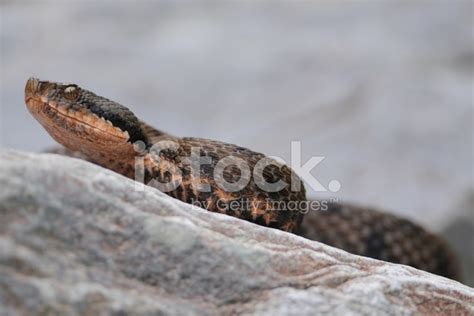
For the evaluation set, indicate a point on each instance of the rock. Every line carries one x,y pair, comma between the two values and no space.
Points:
79,239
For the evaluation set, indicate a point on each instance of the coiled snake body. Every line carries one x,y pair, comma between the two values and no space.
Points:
110,135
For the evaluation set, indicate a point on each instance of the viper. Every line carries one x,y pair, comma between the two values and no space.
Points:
225,178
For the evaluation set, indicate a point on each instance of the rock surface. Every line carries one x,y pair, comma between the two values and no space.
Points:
79,239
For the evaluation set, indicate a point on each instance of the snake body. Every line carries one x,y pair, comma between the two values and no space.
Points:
109,134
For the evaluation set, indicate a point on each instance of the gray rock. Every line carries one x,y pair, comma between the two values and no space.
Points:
76,239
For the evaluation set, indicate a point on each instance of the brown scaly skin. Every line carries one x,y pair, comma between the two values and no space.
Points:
105,132
383,236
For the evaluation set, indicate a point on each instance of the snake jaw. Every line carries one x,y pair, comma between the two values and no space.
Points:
45,110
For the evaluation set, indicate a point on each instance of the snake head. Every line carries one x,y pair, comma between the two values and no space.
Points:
81,120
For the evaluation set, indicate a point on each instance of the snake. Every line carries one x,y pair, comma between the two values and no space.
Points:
232,180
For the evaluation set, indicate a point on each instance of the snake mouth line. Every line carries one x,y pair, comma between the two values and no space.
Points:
119,133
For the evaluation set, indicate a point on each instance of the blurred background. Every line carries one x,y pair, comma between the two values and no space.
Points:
383,90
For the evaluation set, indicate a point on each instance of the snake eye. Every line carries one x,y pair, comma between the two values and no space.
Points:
71,92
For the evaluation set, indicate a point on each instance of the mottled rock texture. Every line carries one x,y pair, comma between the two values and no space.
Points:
78,239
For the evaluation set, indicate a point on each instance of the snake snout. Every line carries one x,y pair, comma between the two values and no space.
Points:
32,87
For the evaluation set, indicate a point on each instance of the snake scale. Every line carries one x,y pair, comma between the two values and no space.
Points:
110,135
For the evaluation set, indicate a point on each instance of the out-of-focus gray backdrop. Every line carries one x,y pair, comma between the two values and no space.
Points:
383,90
